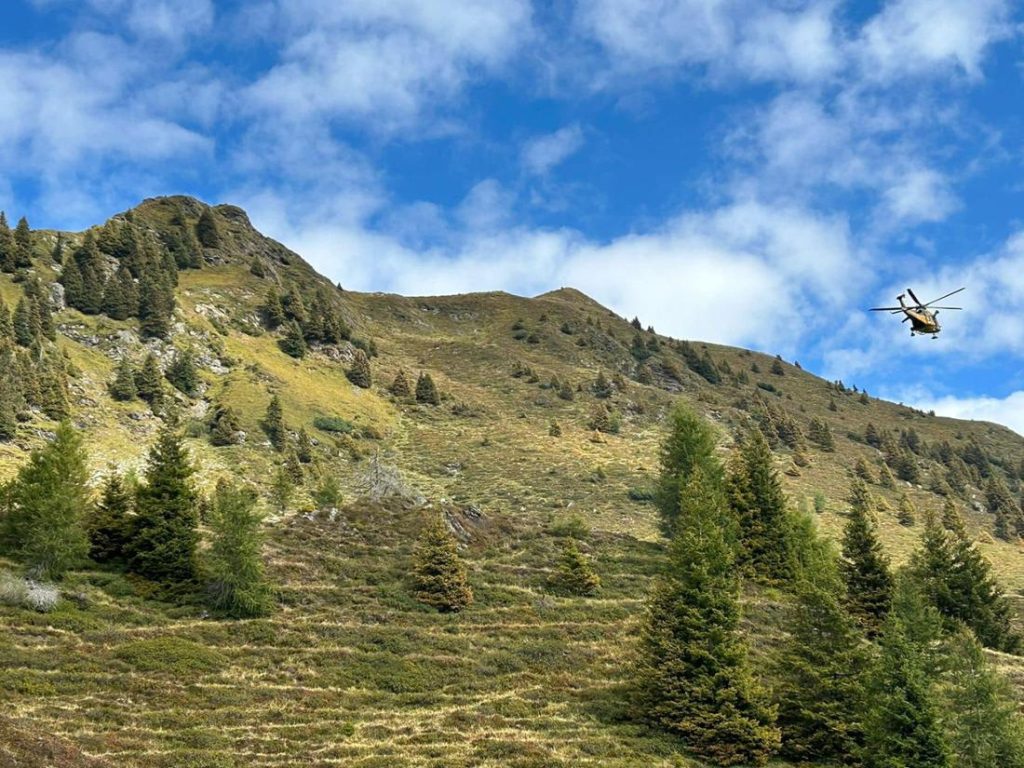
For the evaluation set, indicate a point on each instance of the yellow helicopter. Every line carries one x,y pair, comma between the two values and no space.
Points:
923,317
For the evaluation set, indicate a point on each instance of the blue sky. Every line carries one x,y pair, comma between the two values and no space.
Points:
752,173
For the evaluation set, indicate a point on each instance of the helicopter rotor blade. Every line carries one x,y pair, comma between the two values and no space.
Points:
931,307
886,309
916,300
943,297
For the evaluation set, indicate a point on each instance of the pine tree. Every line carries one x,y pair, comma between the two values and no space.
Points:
293,343
400,386
156,304
602,388
71,279
1001,504
183,372
439,576
6,325
689,444
110,525
8,410
822,671
293,467
7,245
149,382
237,584
224,426
575,574
903,727
123,386
757,500
865,567
91,267
206,229
885,478
985,726
273,424
359,374
282,488
957,580
426,392
54,397
691,676
22,245
48,503
165,530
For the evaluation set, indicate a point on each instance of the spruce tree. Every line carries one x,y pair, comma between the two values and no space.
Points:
206,230
689,444
224,426
48,503
903,727
8,247
426,391
237,584
691,675
575,574
54,397
8,410
149,382
110,525
71,279
957,580
282,488
121,296
6,325
438,574
183,372
906,515
400,386
273,424
156,304
821,672
757,500
165,530
123,386
303,447
22,245
359,374
985,726
293,343
26,329
1002,505
865,567
271,309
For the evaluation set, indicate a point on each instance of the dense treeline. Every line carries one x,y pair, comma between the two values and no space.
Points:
878,669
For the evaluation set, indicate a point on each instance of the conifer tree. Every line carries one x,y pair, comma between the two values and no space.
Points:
885,478
757,500
120,296
26,331
165,529
602,387
303,447
6,325
903,727
8,410
822,670
123,386
22,244
91,267
400,386
957,580
206,229
293,466
906,515
71,279
54,397
985,726
426,391
149,382
237,584
293,343
691,675
110,525
439,576
48,503
8,247
575,574
821,434
359,374
1001,504
282,488
273,424
271,309
865,567
689,444
156,304
224,426
183,372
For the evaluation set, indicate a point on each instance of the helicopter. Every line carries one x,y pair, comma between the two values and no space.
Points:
923,317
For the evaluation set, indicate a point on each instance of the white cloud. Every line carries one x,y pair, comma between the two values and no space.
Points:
920,194
384,64
542,153
1008,411
921,37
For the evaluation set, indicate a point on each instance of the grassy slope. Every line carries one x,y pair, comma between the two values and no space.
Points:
350,671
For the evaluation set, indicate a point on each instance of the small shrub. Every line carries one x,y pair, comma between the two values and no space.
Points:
641,494
170,654
333,424
26,593
573,528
